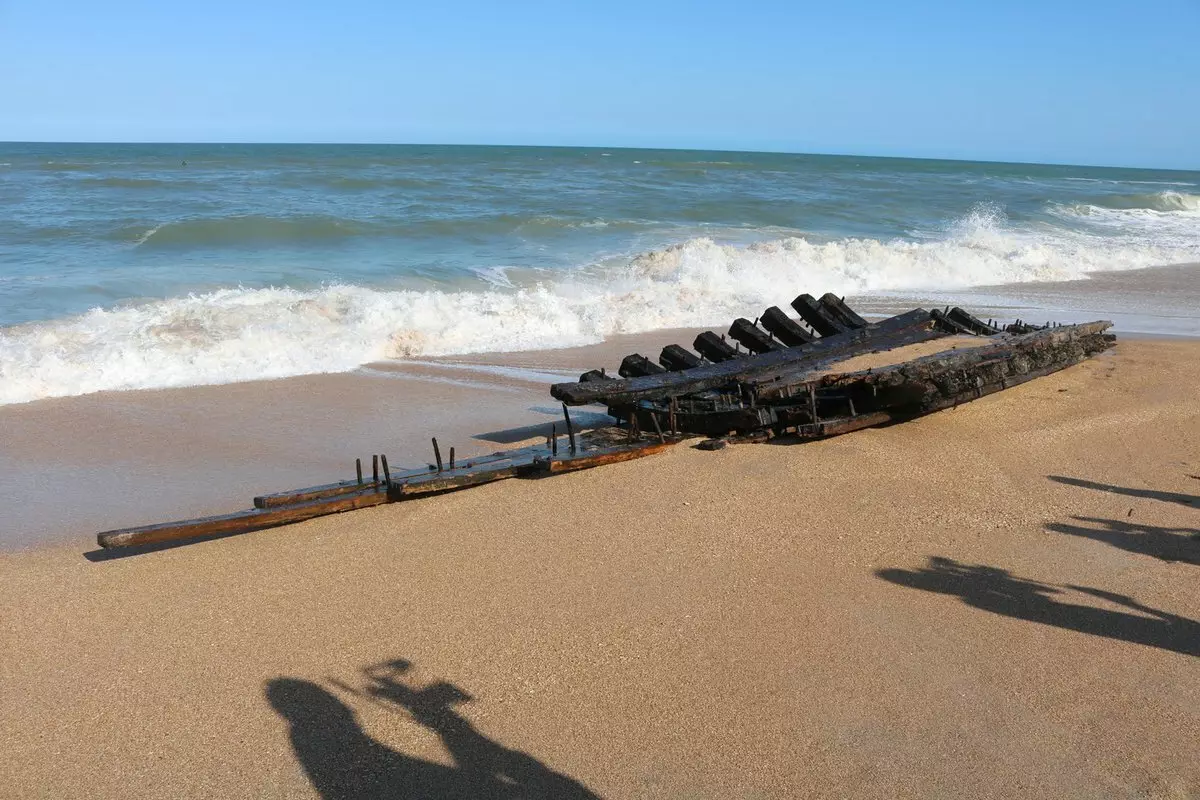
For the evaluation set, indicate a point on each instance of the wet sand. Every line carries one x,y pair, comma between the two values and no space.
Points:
995,601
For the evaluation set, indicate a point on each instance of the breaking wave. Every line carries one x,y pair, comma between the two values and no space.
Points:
246,334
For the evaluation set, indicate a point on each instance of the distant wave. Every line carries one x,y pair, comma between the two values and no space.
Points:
263,230
135,183
1167,201
247,334
240,230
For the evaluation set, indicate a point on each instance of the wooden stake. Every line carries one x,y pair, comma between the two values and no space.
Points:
451,458
570,428
375,468
437,454
358,470
387,475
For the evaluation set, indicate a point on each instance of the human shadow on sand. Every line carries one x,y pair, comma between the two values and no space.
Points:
1166,544
996,590
345,763
1152,494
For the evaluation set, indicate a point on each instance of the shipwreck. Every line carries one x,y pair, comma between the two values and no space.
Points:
776,376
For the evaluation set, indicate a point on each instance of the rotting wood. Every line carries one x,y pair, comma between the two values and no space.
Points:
784,328
783,389
239,522
752,337
818,317
714,348
711,376
674,358
836,307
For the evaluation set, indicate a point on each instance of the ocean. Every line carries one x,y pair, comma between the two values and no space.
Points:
151,266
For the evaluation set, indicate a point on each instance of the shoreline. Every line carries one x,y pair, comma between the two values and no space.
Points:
990,601
146,456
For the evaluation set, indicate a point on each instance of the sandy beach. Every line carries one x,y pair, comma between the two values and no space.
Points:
994,601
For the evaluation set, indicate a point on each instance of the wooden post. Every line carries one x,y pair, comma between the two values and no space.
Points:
387,475
358,470
451,458
657,427
437,454
375,468
570,428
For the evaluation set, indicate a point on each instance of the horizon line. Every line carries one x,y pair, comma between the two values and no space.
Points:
602,147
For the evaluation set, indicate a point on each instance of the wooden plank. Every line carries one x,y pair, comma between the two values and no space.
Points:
819,319
711,376
785,328
950,325
674,358
239,522
587,459
293,496
836,307
752,337
714,348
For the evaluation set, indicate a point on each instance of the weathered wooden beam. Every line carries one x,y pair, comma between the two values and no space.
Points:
817,317
836,307
949,325
976,325
674,358
752,337
714,348
241,521
711,376
637,365
785,328
586,459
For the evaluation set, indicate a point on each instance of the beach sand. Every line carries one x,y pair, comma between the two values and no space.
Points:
994,601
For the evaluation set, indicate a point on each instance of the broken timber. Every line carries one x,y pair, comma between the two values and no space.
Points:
781,384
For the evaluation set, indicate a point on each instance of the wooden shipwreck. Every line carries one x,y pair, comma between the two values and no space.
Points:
779,377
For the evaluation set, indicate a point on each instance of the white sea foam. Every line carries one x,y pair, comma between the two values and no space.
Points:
246,334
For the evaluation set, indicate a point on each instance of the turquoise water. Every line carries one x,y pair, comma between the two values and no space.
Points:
131,266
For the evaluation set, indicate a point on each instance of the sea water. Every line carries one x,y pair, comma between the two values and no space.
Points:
143,266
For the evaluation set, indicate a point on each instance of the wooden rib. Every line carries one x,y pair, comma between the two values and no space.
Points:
752,337
785,328
637,365
837,308
241,521
714,348
675,359
819,319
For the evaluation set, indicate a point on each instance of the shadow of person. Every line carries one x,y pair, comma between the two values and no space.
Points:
479,757
995,590
1166,544
1153,494
343,762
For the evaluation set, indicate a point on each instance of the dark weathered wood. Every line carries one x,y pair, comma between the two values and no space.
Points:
711,376
785,328
949,325
714,348
593,375
817,317
241,521
587,459
294,496
459,478
637,365
752,337
674,358
836,307
973,323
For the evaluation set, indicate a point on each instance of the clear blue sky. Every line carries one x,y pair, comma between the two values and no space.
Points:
1093,82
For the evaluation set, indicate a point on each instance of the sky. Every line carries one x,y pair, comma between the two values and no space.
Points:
1098,82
